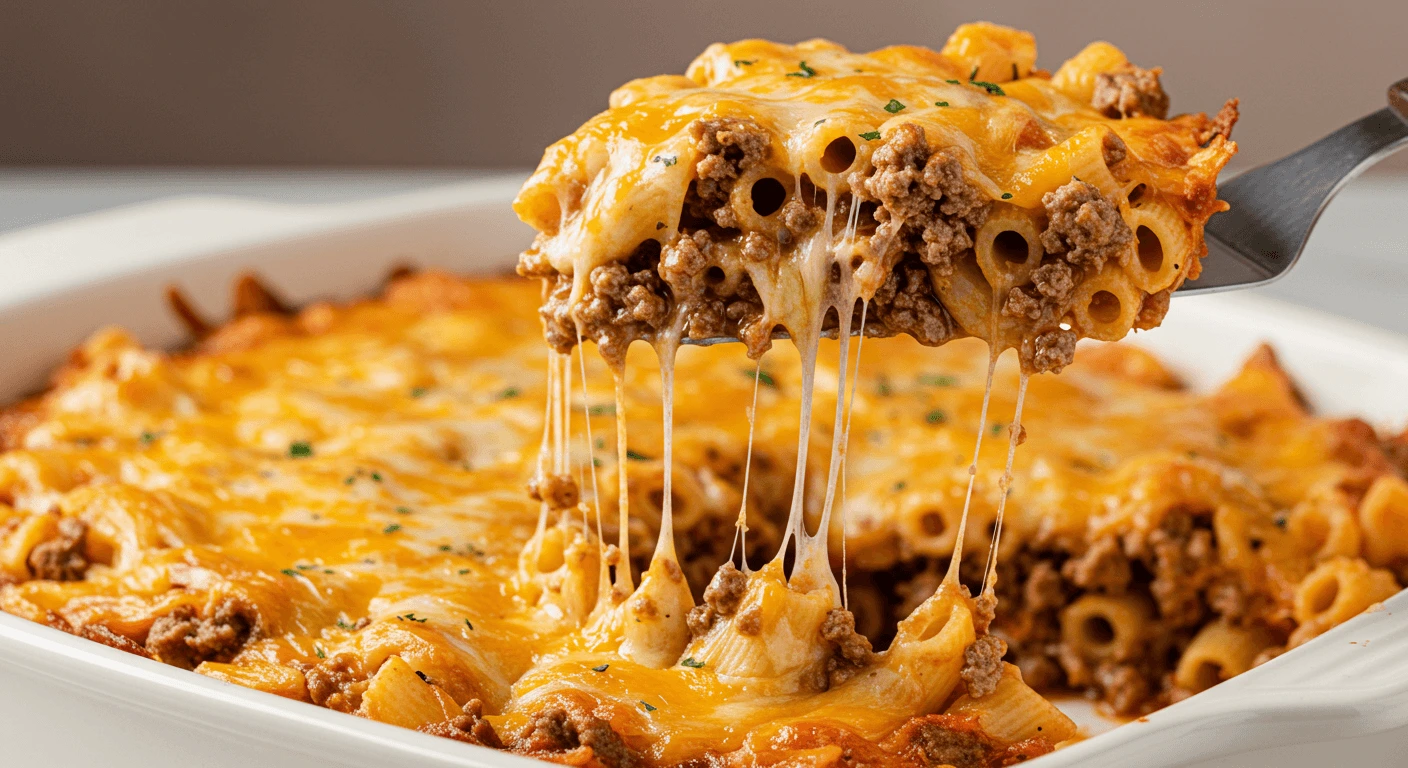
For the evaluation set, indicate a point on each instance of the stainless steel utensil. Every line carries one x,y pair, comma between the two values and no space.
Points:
1274,207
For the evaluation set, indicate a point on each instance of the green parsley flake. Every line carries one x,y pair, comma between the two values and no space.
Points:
806,71
744,62
289,572
601,410
411,616
668,160
974,74
996,429
300,450
419,391
894,106
350,480
344,625
634,456
900,486
938,381
596,462
819,122
403,510
870,135
394,527
328,571
600,668
509,392
941,103
992,88
691,663
644,703
884,389
149,437
762,377
468,624
445,547
319,652
305,567
1006,195
953,82
463,571
376,476
936,416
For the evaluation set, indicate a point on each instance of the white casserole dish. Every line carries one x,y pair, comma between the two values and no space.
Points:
66,701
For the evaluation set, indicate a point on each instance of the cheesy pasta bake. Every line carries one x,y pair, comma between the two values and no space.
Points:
883,550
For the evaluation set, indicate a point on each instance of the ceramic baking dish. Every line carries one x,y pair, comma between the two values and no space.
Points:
67,701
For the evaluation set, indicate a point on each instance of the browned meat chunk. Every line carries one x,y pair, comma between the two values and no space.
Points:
62,558
559,491
729,146
565,728
470,727
1083,225
1103,567
906,304
982,665
721,598
183,638
853,649
1053,350
1221,123
337,683
1130,92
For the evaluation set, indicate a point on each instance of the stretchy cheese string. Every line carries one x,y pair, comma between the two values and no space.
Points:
625,584
545,447
952,574
740,538
1005,486
604,577
666,347
845,443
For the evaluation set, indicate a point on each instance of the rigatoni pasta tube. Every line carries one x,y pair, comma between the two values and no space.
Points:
1383,514
1014,712
1218,652
1101,627
1335,592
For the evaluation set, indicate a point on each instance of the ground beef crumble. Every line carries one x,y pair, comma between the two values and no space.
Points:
337,683
853,650
982,665
61,558
1084,225
470,727
1130,92
569,727
184,638
729,147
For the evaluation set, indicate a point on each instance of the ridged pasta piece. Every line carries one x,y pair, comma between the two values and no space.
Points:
1076,78
1219,652
397,695
1335,592
559,570
1324,526
990,52
1106,305
1103,627
833,149
264,676
1163,246
1082,156
1383,514
1014,712
1008,246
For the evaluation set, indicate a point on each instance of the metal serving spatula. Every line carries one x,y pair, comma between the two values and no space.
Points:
1275,206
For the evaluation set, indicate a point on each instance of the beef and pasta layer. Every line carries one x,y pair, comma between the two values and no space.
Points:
330,506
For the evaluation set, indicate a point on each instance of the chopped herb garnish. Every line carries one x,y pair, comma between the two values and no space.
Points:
148,438
691,663
941,103
644,703
319,652
509,392
596,462
344,625
668,160
744,62
936,416
376,476
974,74
411,616
601,441
418,391
601,410
894,106
634,456
394,527
289,572
445,547
1006,195
468,624
762,377
953,82
463,571
870,135
884,389
938,381
819,122
350,480
996,429
328,571
403,510
900,486
305,567
300,450
600,668
992,88
806,71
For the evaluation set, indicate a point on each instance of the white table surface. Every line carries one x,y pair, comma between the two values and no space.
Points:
1356,264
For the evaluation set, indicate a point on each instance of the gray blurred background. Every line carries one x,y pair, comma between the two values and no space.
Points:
478,84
